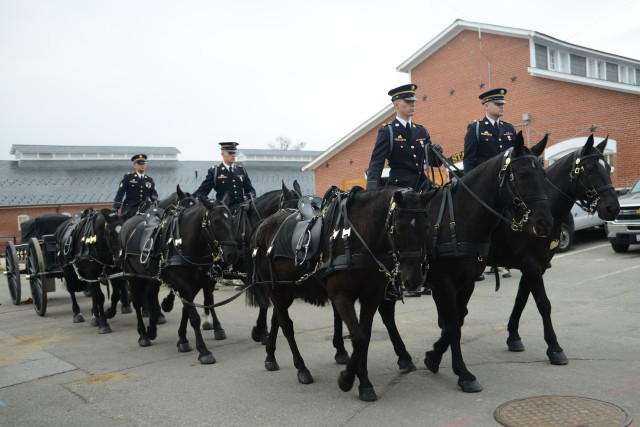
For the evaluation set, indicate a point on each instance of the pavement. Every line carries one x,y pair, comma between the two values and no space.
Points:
55,372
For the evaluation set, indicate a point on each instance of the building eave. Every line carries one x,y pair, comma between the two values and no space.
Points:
587,81
349,138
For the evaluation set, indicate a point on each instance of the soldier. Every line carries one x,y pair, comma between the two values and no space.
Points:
227,177
135,187
404,146
489,136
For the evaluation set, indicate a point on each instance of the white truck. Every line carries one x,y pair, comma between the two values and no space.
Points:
625,229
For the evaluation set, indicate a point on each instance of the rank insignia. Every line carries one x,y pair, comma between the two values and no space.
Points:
486,133
222,176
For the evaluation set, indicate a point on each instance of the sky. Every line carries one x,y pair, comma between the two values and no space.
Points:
189,73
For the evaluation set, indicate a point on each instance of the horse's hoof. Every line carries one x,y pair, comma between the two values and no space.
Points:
167,305
104,330
94,321
557,357
367,394
470,386
305,377
343,382
184,347
258,335
144,342
219,335
161,320
78,318
406,365
207,359
431,364
341,358
271,365
126,309
515,345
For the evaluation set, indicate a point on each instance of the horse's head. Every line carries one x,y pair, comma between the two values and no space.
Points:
522,188
591,180
289,198
407,224
110,233
219,223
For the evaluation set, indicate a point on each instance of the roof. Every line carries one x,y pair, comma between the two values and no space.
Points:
86,149
67,182
459,26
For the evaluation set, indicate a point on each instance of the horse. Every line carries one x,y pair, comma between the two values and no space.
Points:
583,176
86,249
368,239
190,246
246,217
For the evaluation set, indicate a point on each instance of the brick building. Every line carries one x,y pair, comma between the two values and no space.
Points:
566,90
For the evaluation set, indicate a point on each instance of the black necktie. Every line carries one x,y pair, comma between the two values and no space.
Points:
497,127
408,126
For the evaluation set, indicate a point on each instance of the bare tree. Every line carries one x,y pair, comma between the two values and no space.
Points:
284,143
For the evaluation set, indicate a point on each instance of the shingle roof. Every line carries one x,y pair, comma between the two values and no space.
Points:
32,183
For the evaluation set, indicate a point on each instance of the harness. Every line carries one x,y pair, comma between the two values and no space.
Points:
481,250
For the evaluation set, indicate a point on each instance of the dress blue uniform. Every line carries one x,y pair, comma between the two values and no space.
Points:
403,148
236,182
134,190
484,141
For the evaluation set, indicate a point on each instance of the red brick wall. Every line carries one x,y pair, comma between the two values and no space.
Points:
565,110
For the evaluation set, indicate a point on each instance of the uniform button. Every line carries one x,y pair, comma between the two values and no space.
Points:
500,145
412,147
234,186
417,164
414,155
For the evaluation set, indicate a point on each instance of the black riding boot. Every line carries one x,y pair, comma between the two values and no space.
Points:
391,292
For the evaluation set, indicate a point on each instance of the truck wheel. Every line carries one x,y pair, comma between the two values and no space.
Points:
620,247
566,237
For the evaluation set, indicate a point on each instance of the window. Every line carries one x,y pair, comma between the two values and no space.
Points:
558,61
595,69
627,74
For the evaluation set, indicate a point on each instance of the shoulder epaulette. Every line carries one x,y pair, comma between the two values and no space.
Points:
148,176
130,173
385,124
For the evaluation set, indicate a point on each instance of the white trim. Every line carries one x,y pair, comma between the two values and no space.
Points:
350,138
587,81
562,148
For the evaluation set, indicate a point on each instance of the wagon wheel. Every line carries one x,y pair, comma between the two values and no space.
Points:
13,273
35,267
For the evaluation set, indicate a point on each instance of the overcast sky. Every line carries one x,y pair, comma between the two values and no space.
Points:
189,73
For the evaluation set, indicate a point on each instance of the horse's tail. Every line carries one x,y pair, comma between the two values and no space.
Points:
256,296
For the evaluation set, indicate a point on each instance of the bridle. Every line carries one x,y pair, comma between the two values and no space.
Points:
590,203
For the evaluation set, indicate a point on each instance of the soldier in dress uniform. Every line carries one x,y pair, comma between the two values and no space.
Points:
403,145
135,188
228,177
489,136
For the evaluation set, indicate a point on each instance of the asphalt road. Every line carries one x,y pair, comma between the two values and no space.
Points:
55,373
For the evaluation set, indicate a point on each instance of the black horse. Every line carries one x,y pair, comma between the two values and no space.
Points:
369,239
86,248
245,219
582,176
192,245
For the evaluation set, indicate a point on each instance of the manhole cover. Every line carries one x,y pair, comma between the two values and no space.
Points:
561,411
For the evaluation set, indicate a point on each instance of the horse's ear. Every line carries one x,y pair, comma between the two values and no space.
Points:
110,215
285,190
180,192
226,199
296,187
210,204
603,144
538,149
588,145
518,144
398,196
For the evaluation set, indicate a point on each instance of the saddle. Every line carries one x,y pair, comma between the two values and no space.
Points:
149,235
72,232
307,234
